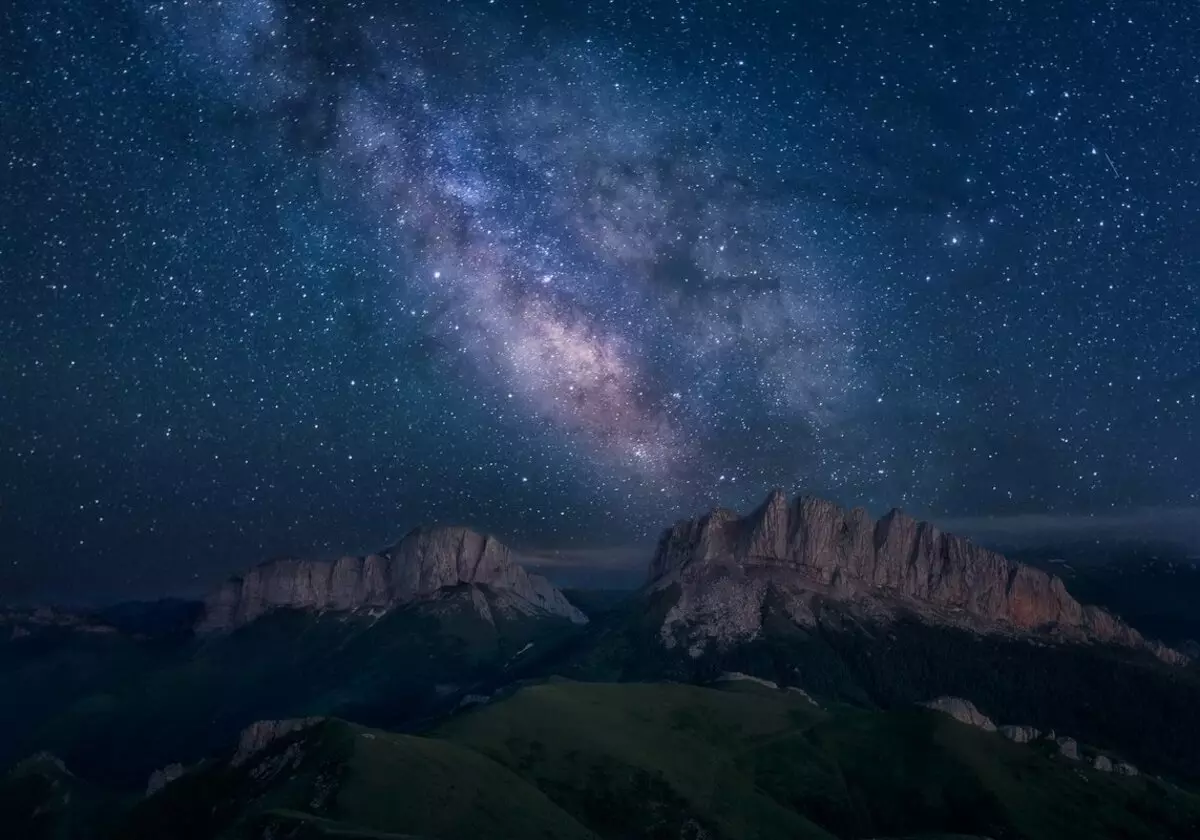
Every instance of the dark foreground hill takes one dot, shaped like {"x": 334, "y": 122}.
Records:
{"x": 117, "y": 708}
{"x": 573, "y": 760}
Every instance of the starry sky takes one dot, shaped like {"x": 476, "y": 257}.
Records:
{"x": 294, "y": 276}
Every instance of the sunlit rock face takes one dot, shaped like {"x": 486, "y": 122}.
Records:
{"x": 810, "y": 549}
{"x": 425, "y": 562}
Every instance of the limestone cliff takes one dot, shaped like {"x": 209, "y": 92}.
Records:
{"x": 725, "y": 564}
{"x": 423, "y": 563}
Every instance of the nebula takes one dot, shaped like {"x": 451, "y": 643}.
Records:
{"x": 611, "y": 269}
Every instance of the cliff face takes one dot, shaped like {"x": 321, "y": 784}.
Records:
{"x": 725, "y": 565}
{"x": 425, "y": 561}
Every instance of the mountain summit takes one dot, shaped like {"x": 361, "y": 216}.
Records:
{"x": 811, "y": 551}
{"x": 423, "y": 564}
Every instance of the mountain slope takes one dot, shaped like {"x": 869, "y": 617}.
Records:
{"x": 805, "y": 552}
{"x": 745, "y": 760}
{"x": 1113, "y": 696}
{"x": 411, "y": 663}
{"x": 425, "y": 562}
{"x": 889, "y": 614}
{"x": 388, "y": 639}
{"x": 51, "y": 659}
{"x": 334, "y": 779}
{"x": 1155, "y": 588}
{"x": 738, "y": 761}
{"x": 40, "y": 799}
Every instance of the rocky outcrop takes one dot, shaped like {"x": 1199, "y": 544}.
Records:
{"x": 159, "y": 779}
{"x": 422, "y": 564}
{"x": 45, "y": 763}
{"x": 261, "y": 734}
{"x": 1020, "y": 734}
{"x": 725, "y": 564}
{"x": 738, "y": 676}
{"x": 1068, "y": 747}
{"x": 963, "y": 711}
{"x": 795, "y": 689}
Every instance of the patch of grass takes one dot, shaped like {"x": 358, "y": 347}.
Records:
{"x": 644, "y": 760}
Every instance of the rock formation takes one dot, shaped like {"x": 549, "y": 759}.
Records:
{"x": 1020, "y": 734}
{"x": 159, "y": 779}
{"x": 963, "y": 711}
{"x": 1068, "y": 747}
{"x": 424, "y": 562}
{"x": 725, "y": 564}
{"x": 42, "y": 761}
{"x": 259, "y": 735}
{"x": 738, "y": 676}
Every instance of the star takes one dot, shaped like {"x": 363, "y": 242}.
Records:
{"x": 287, "y": 279}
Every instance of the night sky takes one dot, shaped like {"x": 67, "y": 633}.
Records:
{"x": 295, "y": 276}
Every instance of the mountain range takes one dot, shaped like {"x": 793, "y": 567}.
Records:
{"x": 839, "y": 626}
{"x": 811, "y": 551}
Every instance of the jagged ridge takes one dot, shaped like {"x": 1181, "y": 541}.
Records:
{"x": 424, "y": 562}
{"x": 815, "y": 546}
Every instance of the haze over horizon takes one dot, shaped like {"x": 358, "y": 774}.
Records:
{"x": 282, "y": 276}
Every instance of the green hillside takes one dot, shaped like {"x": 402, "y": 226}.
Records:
{"x": 645, "y": 760}
{"x": 696, "y": 759}
{"x": 746, "y": 761}
{"x": 735, "y": 761}
{"x": 341, "y": 780}
{"x": 1112, "y": 697}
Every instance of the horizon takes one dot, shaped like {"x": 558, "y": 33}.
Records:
{"x": 622, "y": 566}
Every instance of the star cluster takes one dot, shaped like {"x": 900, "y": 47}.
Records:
{"x": 289, "y": 275}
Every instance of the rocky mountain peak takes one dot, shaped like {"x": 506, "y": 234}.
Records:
{"x": 425, "y": 562}
{"x": 811, "y": 548}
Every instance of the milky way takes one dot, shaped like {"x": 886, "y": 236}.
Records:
{"x": 282, "y": 275}
{"x": 577, "y": 225}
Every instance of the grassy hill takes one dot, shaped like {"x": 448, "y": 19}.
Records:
{"x": 341, "y": 780}
{"x": 1113, "y": 697}
{"x": 665, "y": 761}
{"x": 646, "y": 757}
{"x": 744, "y": 761}
{"x": 645, "y": 760}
